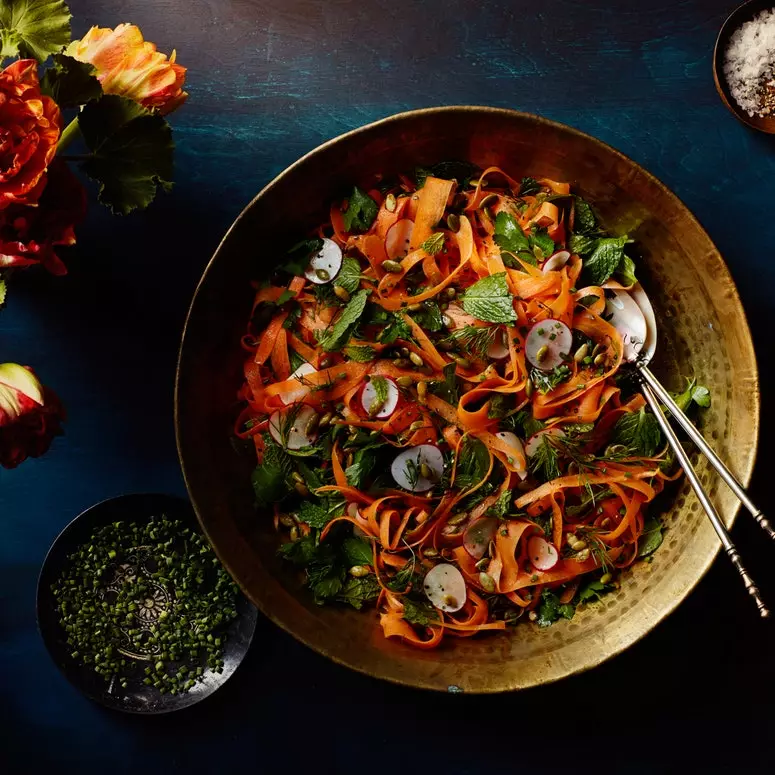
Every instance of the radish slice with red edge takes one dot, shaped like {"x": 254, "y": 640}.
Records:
{"x": 398, "y": 239}
{"x": 445, "y": 587}
{"x": 556, "y": 337}
{"x": 290, "y": 431}
{"x": 556, "y": 261}
{"x": 297, "y": 392}
{"x": 542, "y": 554}
{"x": 369, "y": 398}
{"x": 406, "y": 467}
{"x": 531, "y": 447}
{"x": 499, "y": 348}
{"x": 626, "y": 317}
{"x": 477, "y": 536}
{"x": 324, "y": 266}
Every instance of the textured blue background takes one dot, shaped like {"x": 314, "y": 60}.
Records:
{"x": 268, "y": 82}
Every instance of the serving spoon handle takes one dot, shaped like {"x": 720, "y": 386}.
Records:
{"x": 702, "y": 496}
{"x": 706, "y": 450}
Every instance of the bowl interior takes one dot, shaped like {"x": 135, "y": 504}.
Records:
{"x": 745, "y": 13}
{"x": 703, "y": 334}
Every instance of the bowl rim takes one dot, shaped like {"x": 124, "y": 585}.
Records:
{"x": 753, "y": 386}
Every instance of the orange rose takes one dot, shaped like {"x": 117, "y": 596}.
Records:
{"x": 131, "y": 67}
{"x": 29, "y": 131}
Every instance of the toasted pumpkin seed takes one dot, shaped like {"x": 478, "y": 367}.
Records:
{"x": 323, "y": 274}
{"x": 392, "y": 266}
{"x": 414, "y": 307}
{"x": 358, "y": 571}
{"x": 581, "y": 353}
{"x": 606, "y": 578}
{"x": 453, "y": 222}
{"x": 488, "y": 200}
{"x": 416, "y": 359}
{"x": 487, "y": 581}
{"x": 404, "y": 381}
{"x": 600, "y": 359}
{"x": 422, "y": 391}
{"x": 542, "y": 353}
{"x": 390, "y": 203}
{"x": 341, "y": 293}
{"x": 456, "y": 519}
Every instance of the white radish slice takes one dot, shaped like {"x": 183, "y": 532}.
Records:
{"x": 445, "y": 587}
{"x": 531, "y": 447}
{"x": 516, "y": 452}
{"x": 369, "y": 398}
{"x": 498, "y": 349}
{"x": 324, "y": 266}
{"x": 297, "y": 392}
{"x": 406, "y": 467}
{"x": 296, "y": 436}
{"x": 477, "y": 536}
{"x": 556, "y": 261}
{"x": 556, "y": 337}
{"x": 542, "y": 554}
{"x": 398, "y": 238}
{"x": 626, "y": 317}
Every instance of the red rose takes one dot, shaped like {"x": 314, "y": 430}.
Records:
{"x": 29, "y": 131}
{"x": 28, "y": 235}
{"x": 30, "y": 415}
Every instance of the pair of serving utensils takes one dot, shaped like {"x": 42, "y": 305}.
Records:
{"x": 633, "y": 316}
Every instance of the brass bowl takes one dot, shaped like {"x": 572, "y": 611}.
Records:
{"x": 703, "y": 333}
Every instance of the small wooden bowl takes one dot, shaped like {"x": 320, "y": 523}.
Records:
{"x": 745, "y": 13}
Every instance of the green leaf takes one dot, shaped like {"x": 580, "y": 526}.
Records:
{"x": 339, "y": 334}
{"x": 302, "y": 552}
{"x": 70, "y": 83}
{"x": 502, "y": 506}
{"x": 651, "y": 538}
{"x": 349, "y": 276}
{"x": 545, "y": 461}
{"x": 448, "y": 387}
{"x": 397, "y": 328}
{"x": 639, "y": 432}
{"x": 360, "y": 353}
{"x": 550, "y": 609}
{"x": 489, "y": 299}
{"x": 539, "y": 238}
{"x": 585, "y": 220}
{"x": 360, "y": 213}
{"x": 593, "y": 590}
{"x": 475, "y": 340}
{"x": 701, "y": 396}
{"x": 314, "y": 514}
{"x": 508, "y": 234}
{"x": 300, "y": 255}
{"x": 473, "y": 462}
{"x": 545, "y": 381}
{"x": 284, "y": 297}
{"x": 423, "y": 614}
{"x": 694, "y": 392}
{"x": 582, "y": 244}
{"x": 357, "y": 551}
{"x": 433, "y": 244}
{"x": 625, "y": 272}
{"x": 131, "y": 152}
{"x": 381, "y": 390}
{"x": 358, "y": 592}
{"x": 270, "y": 479}
{"x": 604, "y": 260}
{"x": 328, "y": 587}
{"x": 429, "y": 317}
{"x": 312, "y": 477}
{"x": 364, "y": 460}
{"x": 529, "y": 186}
{"x": 404, "y": 578}
{"x": 33, "y": 28}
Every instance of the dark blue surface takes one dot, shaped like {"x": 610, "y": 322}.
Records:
{"x": 268, "y": 82}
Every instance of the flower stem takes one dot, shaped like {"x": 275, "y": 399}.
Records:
{"x": 70, "y": 133}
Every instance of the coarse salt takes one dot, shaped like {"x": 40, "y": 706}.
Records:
{"x": 749, "y": 62}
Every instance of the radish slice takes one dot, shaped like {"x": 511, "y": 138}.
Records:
{"x": 626, "y": 317}
{"x": 406, "y": 467}
{"x": 531, "y": 447}
{"x": 516, "y": 453}
{"x": 445, "y": 587}
{"x": 398, "y": 238}
{"x": 556, "y": 337}
{"x": 498, "y": 349}
{"x": 542, "y": 554}
{"x": 296, "y": 436}
{"x": 556, "y": 261}
{"x": 369, "y": 398}
{"x": 294, "y": 394}
{"x": 324, "y": 266}
{"x": 478, "y": 535}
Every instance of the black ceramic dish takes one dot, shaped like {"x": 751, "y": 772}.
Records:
{"x": 136, "y": 698}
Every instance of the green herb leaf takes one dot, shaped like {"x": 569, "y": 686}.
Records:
{"x": 509, "y": 235}
{"x": 364, "y": 460}
{"x": 349, "y": 276}
{"x": 380, "y": 385}
{"x": 639, "y": 432}
{"x": 585, "y": 220}
{"x": 360, "y": 353}
{"x": 593, "y": 590}
{"x": 539, "y": 238}
{"x": 357, "y": 551}
{"x": 131, "y": 152}
{"x": 270, "y": 479}
{"x": 502, "y": 506}
{"x": 302, "y": 552}
{"x": 360, "y": 213}
{"x": 473, "y": 462}
{"x": 327, "y": 587}
{"x": 545, "y": 381}
{"x": 70, "y": 83}
{"x": 604, "y": 260}
{"x": 475, "y": 340}
{"x": 423, "y": 614}
{"x": 429, "y": 317}
{"x": 339, "y": 334}
{"x": 550, "y": 609}
{"x": 651, "y": 538}
{"x": 314, "y": 514}
{"x": 300, "y": 255}
{"x": 447, "y": 389}
{"x": 699, "y": 394}
{"x": 582, "y": 244}
{"x": 33, "y": 28}
{"x": 545, "y": 461}
{"x": 625, "y": 272}
{"x": 489, "y": 299}
{"x": 397, "y": 328}
{"x": 405, "y": 577}
{"x": 358, "y": 592}
{"x": 433, "y": 244}
{"x": 529, "y": 187}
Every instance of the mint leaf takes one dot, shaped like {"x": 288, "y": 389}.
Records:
{"x": 593, "y": 590}
{"x": 604, "y": 260}
{"x": 584, "y": 219}
{"x": 639, "y": 432}
{"x": 529, "y": 186}
{"x": 429, "y": 317}
{"x": 489, "y": 299}
{"x": 364, "y": 460}
{"x": 581, "y": 244}
{"x": 270, "y": 479}
{"x": 694, "y": 392}
{"x": 361, "y": 211}
{"x": 397, "y": 328}
{"x": 300, "y": 255}
{"x": 550, "y": 609}
{"x": 651, "y": 538}
{"x": 314, "y": 514}
{"x": 349, "y": 276}
{"x": 625, "y": 272}
{"x": 70, "y": 83}
{"x": 131, "y": 152}
{"x": 419, "y": 613}
{"x": 337, "y": 335}
{"x": 700, "y": 396}
{"x": 433, "y": 244}
{"x": 380, "y": 385}
{"x": 360, "y": 353}
{"x": 448, "y": 387}
{"x": 539, "y": 238}
{"x": 508, "y": 234}
{"x": 357, "y": 551}
{"x": 358, "y": 592}
{"x": 33, "y": 28}
{"x": 327, "y": 587}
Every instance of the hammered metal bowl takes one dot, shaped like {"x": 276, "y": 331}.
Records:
{"x": 703, "y": 333}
